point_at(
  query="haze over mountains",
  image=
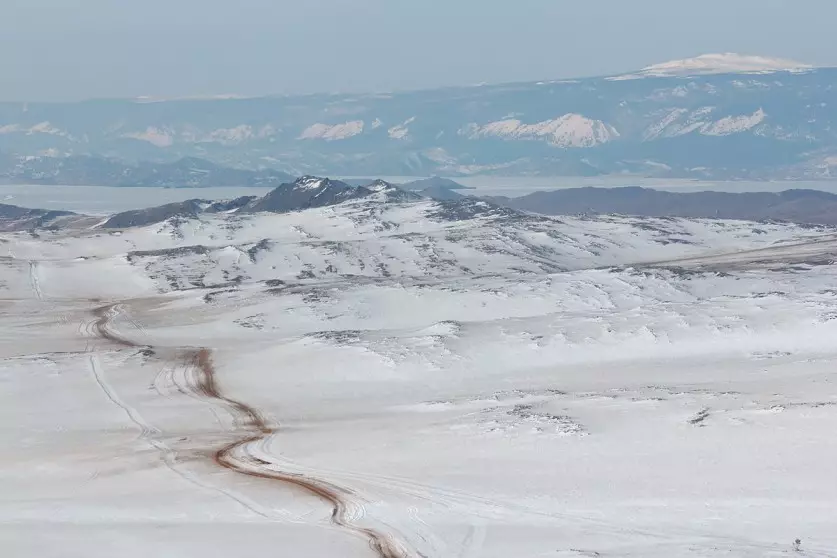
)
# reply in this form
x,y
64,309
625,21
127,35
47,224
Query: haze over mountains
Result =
x,y
718,116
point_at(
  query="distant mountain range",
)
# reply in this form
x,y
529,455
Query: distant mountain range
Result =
x,y
797,206
98,171
715,117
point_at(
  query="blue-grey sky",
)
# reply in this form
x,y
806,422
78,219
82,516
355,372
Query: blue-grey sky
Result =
x,y
75,49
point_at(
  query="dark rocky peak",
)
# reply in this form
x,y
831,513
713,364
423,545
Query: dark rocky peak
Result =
x,y
189,209
307,192
14,218
158,214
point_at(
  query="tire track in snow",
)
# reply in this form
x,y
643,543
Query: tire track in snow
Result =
x,y
150,435
474,541
34,281
254,429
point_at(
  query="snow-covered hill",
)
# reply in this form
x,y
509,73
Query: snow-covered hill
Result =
x,y
726,63
395,377
377,232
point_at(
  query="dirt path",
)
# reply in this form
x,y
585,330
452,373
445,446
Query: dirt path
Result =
x,y
253,429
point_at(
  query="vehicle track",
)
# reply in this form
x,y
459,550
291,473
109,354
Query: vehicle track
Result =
x,y
34,281
152,436
254,429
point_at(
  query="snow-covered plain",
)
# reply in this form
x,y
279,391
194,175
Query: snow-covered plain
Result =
x,y
471,383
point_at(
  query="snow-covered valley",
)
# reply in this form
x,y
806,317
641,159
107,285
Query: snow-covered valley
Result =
x,y
418,378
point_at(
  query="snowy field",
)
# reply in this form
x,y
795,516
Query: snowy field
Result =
x,y
406,380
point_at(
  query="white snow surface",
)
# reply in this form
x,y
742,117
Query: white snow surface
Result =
x,y
476,382
160,137
734,124
334,132
401,131
309,183
569,130
679,122
724,63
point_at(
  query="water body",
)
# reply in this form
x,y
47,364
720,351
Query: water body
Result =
x,y
103,200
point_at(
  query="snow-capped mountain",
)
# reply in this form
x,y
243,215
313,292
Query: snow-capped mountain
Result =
x,y
715,116
726,63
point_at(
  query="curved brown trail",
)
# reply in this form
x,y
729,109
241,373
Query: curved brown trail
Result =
x,y
254,429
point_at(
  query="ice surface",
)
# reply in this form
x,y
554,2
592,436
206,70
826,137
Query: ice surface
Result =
x,y
471,382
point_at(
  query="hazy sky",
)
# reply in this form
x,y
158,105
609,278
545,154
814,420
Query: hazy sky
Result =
x,y
73,49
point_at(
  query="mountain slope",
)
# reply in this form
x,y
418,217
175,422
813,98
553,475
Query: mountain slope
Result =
x,y
202,244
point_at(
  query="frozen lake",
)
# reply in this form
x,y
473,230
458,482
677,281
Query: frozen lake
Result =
x,y
104,200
